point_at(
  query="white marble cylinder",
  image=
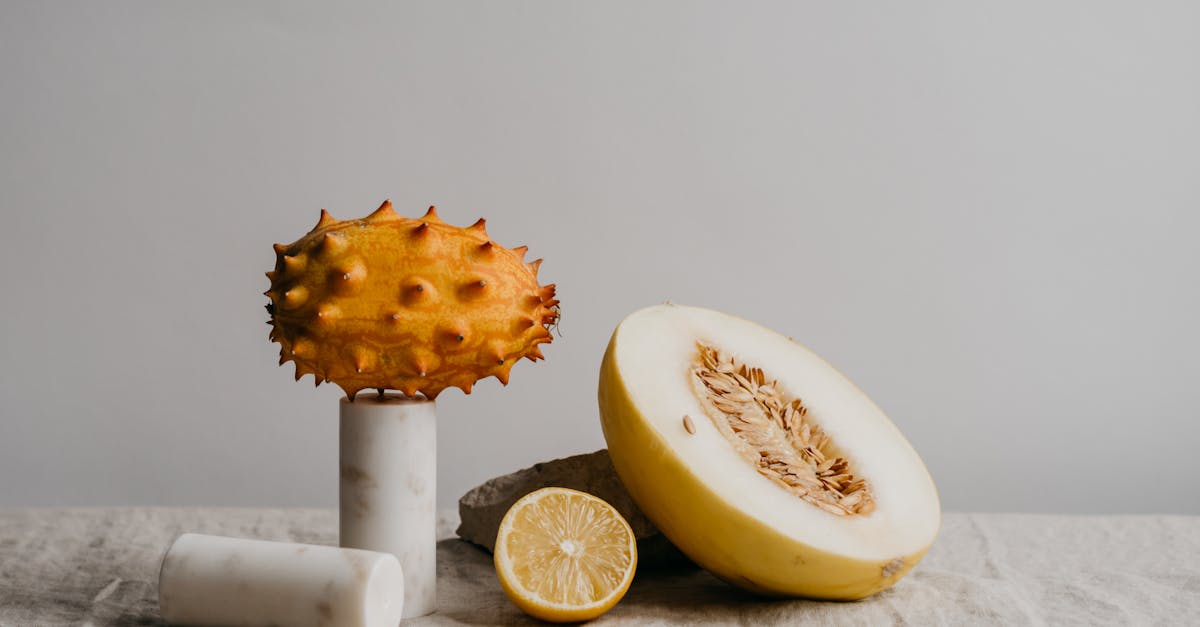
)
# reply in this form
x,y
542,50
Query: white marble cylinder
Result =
x,y
388,488
228,582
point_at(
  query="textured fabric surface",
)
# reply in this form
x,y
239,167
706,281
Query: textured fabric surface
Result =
x,y
100,566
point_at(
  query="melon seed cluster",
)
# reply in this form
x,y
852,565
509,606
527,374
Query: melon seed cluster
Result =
x,y
414,305
774,433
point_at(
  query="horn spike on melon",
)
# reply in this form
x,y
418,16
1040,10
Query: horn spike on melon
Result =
x,y
384,212
332,244
293,264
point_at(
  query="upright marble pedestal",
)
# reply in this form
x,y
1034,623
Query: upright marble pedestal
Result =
x,y
387,494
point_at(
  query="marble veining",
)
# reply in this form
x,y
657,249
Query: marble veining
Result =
x,y
387,488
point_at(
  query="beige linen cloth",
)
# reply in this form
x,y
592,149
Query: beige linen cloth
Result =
x,y
100,567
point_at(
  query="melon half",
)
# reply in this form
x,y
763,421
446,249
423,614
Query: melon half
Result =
x,y
759,460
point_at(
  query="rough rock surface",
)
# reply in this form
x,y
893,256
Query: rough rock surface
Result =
x,y
482,508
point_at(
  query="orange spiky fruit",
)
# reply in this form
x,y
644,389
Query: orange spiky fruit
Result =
x,y
414,305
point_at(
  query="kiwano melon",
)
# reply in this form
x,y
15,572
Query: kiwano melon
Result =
x,y
409,304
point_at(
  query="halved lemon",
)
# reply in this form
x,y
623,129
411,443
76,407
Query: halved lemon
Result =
x,y
564,555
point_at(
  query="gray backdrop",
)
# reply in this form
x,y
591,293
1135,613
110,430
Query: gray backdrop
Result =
x,y
983,213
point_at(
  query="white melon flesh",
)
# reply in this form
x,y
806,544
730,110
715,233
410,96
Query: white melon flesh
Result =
x,y
717,506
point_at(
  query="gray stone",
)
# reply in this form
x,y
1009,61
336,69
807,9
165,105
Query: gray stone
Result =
x,y
482,508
